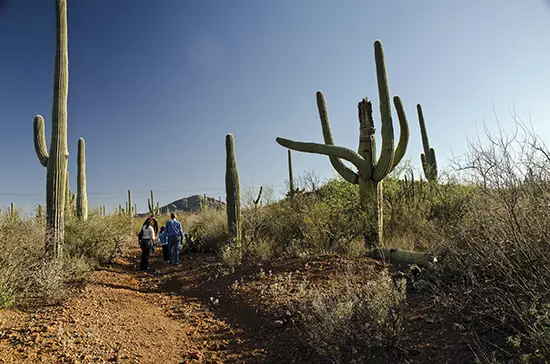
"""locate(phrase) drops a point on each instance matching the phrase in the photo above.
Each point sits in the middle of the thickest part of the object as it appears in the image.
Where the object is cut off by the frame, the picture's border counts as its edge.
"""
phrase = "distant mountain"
(189, 204)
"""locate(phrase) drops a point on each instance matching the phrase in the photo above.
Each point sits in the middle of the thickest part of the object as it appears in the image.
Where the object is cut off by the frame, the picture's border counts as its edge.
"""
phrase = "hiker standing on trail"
(146, 243)
(174, 232)
(154, 223)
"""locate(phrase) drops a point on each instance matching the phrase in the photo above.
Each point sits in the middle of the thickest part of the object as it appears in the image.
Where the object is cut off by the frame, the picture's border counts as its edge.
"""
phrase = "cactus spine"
(82, 195)
(130, 206)
(429, 163)
(55, 160)
(370, 171)
(232, 189)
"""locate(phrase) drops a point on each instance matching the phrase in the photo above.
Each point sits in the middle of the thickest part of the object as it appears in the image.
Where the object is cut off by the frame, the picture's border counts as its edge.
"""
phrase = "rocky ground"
(199, 312)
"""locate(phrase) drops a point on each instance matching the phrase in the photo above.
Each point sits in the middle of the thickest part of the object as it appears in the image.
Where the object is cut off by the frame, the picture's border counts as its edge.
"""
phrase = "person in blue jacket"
(174, 234)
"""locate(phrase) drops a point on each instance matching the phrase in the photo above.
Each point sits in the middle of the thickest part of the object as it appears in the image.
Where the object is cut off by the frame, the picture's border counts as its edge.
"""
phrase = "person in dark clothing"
(146, 244)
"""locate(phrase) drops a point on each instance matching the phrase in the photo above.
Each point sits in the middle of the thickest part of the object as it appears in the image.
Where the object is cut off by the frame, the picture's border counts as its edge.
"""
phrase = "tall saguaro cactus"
(429, 163)
(370, 171)
(56, 160)
(81, 194)
(232, 189)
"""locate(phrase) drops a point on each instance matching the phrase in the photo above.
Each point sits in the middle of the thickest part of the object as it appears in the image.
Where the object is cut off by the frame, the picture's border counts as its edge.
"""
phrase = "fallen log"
(400, 256)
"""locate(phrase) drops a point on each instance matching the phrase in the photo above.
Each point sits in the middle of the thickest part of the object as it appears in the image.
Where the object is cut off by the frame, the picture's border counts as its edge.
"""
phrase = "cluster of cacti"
(429, 163)
(154, 210)
(370, 171)
(55, 160)
(82, 196)
(232, 189)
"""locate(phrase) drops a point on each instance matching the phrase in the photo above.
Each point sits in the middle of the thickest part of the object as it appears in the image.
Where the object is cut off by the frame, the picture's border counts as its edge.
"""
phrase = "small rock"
(278, 323)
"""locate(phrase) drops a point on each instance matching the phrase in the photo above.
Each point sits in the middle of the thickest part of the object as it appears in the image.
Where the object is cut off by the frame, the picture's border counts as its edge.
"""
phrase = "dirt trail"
(129, 316)
(194, 313)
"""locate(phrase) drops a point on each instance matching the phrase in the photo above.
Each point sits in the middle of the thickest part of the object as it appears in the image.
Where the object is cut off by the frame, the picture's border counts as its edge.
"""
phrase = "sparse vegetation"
(485, 218)
(28, 277)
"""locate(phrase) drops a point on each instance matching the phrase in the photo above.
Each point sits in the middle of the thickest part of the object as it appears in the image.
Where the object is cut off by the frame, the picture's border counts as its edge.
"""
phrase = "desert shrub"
(500, 252)
(352, 322)
(27, 277)
(310, 223)
(99, 239)
(207, 230)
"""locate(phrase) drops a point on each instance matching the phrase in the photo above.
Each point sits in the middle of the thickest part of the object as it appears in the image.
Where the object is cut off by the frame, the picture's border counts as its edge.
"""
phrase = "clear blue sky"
(154, 89)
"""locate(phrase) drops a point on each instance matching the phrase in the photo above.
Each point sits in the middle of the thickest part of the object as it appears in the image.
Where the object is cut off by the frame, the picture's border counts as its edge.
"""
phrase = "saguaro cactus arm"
(404, 132)
(385, 162)
(330, 150)
(40, 140)
(338, 165)
(387, 152)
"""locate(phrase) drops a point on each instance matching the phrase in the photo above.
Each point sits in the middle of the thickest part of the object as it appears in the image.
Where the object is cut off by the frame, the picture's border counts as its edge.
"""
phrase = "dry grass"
(27, 277)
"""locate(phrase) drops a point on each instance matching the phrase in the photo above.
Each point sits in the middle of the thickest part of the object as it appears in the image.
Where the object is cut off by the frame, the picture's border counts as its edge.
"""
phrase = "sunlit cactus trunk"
(82, 196)
(56, 160)
(130, 203)
(232, 189)
(370, 171)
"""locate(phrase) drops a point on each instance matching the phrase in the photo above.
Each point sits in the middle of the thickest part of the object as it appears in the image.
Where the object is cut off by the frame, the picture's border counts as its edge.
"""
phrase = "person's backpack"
(140, 235)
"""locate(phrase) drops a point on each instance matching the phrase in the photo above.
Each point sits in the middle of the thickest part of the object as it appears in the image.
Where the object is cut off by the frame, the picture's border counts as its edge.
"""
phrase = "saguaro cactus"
(232, 189)
(82, 196)
(130, 203)
(257, 201)
(56, 160)
(290, 175)
(429, 163)
(151, 204)
(370, 171)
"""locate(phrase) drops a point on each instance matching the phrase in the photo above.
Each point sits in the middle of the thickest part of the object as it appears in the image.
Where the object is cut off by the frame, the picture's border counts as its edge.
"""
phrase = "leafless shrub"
(501, 249)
